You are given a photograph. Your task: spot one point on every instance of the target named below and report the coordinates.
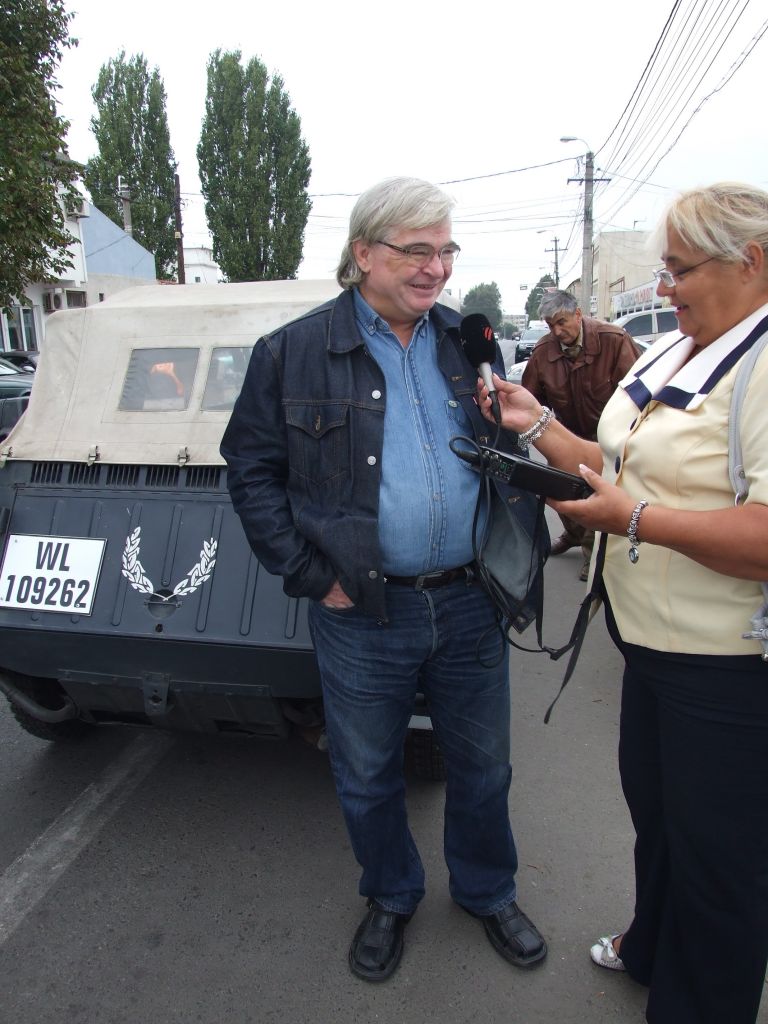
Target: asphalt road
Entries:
(164, 879)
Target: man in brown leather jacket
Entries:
(574, 370)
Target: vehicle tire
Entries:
(425, 756)
(46, 692)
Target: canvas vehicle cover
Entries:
(128, 592)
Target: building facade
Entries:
(199, 267)
(104, 260)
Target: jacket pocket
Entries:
(318, 440)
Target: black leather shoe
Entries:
(378, 943)
(514, 936)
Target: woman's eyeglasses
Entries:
(669, 278)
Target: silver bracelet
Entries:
(634, 540)
(534, 433)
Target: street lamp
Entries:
(586, 251)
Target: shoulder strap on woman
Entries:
(735, 458)
(738, 475)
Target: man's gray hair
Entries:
(393, 203)
(557, 302)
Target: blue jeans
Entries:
(371, 670)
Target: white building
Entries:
(621, 261)
(104, 261)
(199, 267)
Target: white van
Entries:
(646, 326)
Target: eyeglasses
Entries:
(669, 278)
(421, 255)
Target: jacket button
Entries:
(453, 403)
(375, 394)
(617, 463)
(371, 460)
(373, 575)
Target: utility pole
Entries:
(557, 267)
(589, 184)
(586, 246)
(125, 197)
(586, 253)
(589, 180)
(178, 233)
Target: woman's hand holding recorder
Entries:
(609, 508)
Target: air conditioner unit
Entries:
(52, 300)
(79, 210)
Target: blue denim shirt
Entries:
(427, 495)
(304, 447)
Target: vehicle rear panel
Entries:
(184, 623)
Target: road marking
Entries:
(31, 876)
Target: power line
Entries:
(729, 75)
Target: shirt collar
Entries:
(574, 346)
(369, 320)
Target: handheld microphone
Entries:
(479, 344)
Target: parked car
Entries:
(515, 372)
(21, 359)
(13, 380)
(648, 325)
(15, 389)
(527, 341)
(128, 591)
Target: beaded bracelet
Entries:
(634, 540)
(534, 433)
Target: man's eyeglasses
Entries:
(420, 254)
(669, 278)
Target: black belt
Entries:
(430, 580)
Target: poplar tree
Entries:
(131, 131)
(484, 298)
(537, 294)
(254, 169)
(36, 175)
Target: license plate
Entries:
(52, 574)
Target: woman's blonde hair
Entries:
(717, 220)
(393, 203)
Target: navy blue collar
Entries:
(665, 376)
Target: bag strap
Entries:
(587, 609)
(737, 473)
(735, 457)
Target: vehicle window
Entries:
(534, 333)
(159, 379)
(225, 376)
(666, 320)
(639, 325)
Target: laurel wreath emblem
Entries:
(136, 575)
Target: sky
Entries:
(465, 96)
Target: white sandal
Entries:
(604, 954)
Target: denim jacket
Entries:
(303, 449)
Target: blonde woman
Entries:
(681, 581)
